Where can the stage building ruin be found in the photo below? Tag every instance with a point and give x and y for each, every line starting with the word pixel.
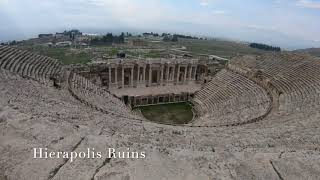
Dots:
pixel 142 82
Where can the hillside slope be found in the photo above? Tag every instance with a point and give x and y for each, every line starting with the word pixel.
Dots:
pixel 312 51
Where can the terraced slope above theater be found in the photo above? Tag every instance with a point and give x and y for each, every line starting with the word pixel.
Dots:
pixel 253 86
pixel 294 79
pixel 230 99
pixel 96 97
pixel 281 146
pixel 44 69
pixel 27 64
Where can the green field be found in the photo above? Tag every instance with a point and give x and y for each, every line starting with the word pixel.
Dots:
pixel 223 48
pixel 67 58
pixel 227 49
pixel 177 113
pixel 65 55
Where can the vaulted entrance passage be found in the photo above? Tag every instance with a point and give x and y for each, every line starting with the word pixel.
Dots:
pixel 127 77
pixel 126 80
pixel 154 76
pixel 174 113
pixel 161 104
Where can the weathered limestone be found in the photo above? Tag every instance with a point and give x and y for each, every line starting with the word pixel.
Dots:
pixel 190 73
pixel 178 74
pixel 144 75
pixel 161 75
pixel 131 77
pixel 284 145
pixel 167 74
pixel 138 75
pixel 109 79
pixel 147 73
pixel 41 68
pixel 150 76
pixel 116 75
pixel 155 72
pixel 184 75
pixel 230 98
pixel 157 92
pixel 122 76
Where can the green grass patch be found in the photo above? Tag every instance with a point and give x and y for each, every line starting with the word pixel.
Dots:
pixel 113 52
pixel 80 58
pixel 152 54
pixel 176 113
pixel 227 49
pixel 65 55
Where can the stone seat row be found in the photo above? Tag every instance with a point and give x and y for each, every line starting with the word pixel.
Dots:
pixel 238 87
pixel 238 116
pixel 230 98
pixel 303 99
pixel 96 97
pixel 27 64
pixel 246 101
pixel 295 78
pixel 6 75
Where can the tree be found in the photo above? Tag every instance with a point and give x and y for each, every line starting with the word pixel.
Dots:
pixel 108 38
pixel 264 47
pixel 174 38
pixel 121 38
pixel 166 38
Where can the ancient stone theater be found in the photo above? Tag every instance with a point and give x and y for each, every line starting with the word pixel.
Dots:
pixel 257 118
pixel 148 81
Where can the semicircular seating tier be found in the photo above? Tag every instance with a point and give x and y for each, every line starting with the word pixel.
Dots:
pixel 281 146
pixel 230 99
pixel 43 69
pixel 294 79
pixel 94 96
pixel 28 64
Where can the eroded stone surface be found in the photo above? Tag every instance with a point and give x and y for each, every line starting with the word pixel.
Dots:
pixel 284 145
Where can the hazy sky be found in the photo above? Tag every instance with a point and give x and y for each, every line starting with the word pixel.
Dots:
pixel 287 23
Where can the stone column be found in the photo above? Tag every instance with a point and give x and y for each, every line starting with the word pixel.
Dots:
pixel 110 80
pixel 185 74
pixel 132 77
pixel 144 75
pixel 178 73
pixel 138 77
pixel 173 72
pixel 116 76
pixel 161 76
pixel 158 76
pixel 190 73
pixel 167 76
pixel 150 74
pixel 195 72
pixel 122 72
